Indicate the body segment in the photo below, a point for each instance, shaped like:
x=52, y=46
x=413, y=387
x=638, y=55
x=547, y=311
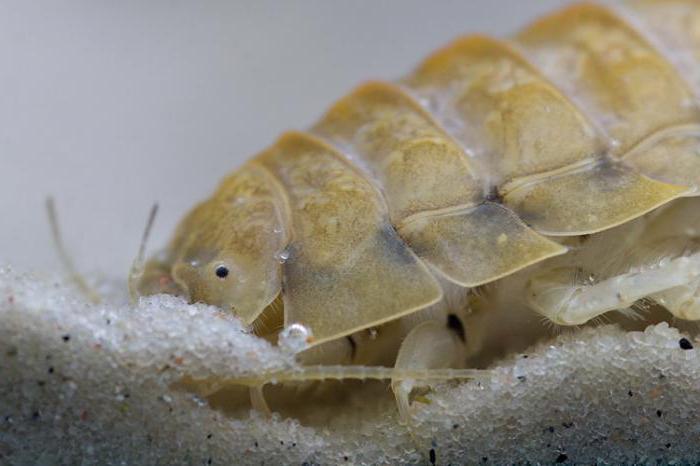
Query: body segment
x=344, y=253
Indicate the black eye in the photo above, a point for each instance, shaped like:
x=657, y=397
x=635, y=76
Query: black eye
x=221, y=271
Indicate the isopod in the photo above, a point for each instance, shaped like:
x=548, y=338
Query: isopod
x=555, y=171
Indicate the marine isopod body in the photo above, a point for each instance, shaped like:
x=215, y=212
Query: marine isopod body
x=560, y=166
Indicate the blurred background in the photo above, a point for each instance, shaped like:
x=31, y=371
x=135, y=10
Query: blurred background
x=110, y=106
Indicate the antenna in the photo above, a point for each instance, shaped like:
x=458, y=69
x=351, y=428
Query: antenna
x=66, y=261
x=138, y=266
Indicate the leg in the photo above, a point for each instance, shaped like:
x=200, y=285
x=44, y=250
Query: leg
x=405, y=372
x=430, y=346
x=256, y=382
x=318, y=373
x=257, y=400
x=565, y=299
x=682, y=301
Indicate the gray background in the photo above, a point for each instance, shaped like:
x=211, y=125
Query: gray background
x=112, y=105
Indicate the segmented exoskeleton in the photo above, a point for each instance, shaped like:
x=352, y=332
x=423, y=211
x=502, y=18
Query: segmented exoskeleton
x=558, y=167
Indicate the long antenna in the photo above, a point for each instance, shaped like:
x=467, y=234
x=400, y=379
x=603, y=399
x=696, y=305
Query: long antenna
x=66, y=261
x=138, y=266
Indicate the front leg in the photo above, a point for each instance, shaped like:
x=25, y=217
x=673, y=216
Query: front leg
x=428, y=347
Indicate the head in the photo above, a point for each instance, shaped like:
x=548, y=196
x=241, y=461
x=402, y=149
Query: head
x=223, y=254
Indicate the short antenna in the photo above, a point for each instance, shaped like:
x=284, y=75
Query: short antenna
x=66, y=261
x=139, y=264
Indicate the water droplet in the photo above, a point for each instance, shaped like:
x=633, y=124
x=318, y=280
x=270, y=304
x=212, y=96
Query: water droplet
x=294, y=338
x=283, y=256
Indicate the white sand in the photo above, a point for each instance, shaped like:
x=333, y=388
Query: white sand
x=84, y=384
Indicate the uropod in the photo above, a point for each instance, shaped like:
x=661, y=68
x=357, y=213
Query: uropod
x=554, y=172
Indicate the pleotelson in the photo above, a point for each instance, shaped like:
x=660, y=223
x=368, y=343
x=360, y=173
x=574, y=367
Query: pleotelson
x=467, y=168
